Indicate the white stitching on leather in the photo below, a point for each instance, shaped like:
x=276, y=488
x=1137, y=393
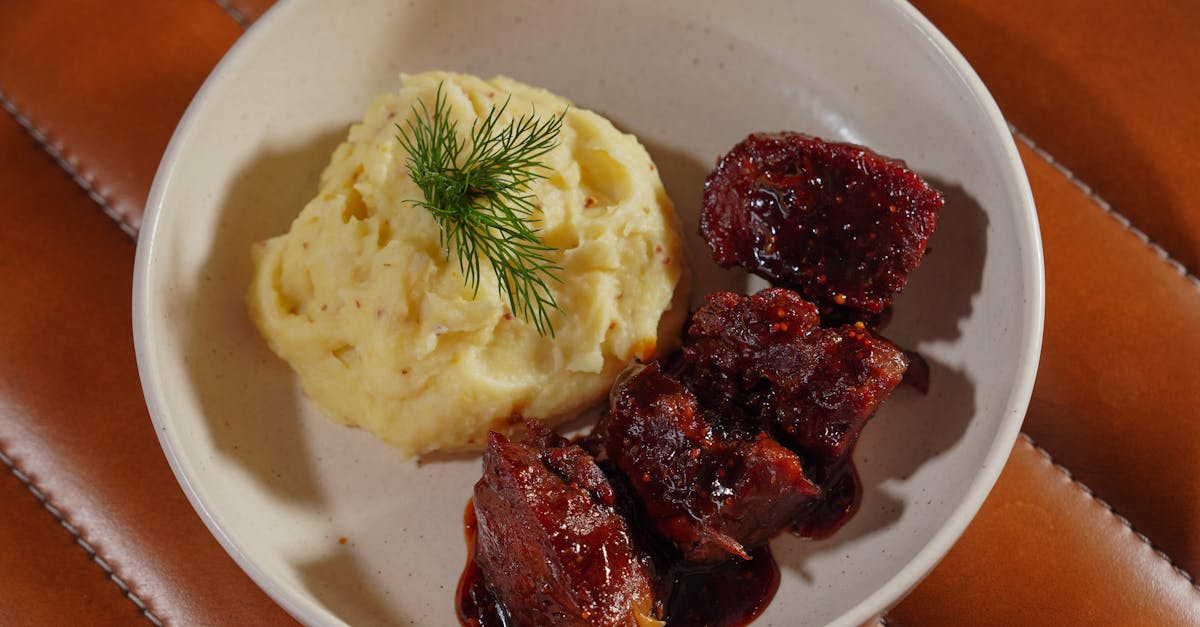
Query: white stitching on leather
x=1104, y=204
x=129, y=224
x=234, y=13
x=1109, y=508
x=1174, y=264
x=84, y=544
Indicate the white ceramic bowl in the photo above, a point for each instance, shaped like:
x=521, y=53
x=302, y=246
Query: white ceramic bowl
x=280, y=487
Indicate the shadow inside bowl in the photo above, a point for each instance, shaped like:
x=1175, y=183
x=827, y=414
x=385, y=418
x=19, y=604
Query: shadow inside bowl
x=930, y=311
x=941, y=292
x=248, y=395
x=344, y=585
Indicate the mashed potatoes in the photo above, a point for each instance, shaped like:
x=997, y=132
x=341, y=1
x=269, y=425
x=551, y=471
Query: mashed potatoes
x=363, y=302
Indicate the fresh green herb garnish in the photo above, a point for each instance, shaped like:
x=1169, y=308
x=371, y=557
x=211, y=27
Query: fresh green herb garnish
x=481, y=201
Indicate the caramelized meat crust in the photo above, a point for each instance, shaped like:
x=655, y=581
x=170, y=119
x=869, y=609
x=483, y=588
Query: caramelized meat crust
x=763, y=362
x=836, y=222
x=709, y=495
x=549, y=545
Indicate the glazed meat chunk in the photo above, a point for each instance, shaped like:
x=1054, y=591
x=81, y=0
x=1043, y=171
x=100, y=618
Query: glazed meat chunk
x=709, y=495
x=763, y=360
x=550, y=546
x=836, y=222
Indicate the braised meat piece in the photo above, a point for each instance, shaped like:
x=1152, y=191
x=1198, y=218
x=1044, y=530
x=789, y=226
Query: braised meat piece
x=764, y=360
x=549, y=544
x=709, y=495
x=836, y=222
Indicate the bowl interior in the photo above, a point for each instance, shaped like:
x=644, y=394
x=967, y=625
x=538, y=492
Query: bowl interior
x=331, y=522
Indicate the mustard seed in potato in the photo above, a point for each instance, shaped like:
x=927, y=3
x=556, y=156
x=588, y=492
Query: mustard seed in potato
x=364, y=303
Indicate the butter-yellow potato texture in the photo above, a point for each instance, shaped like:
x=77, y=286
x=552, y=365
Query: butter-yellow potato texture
x=374, y=316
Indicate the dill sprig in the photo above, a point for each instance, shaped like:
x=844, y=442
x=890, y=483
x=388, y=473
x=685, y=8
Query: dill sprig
x=481, y=201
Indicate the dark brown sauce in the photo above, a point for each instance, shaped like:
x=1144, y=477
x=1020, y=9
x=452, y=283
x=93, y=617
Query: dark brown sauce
x=729, y=594
x=475, y=604
x=842, y=492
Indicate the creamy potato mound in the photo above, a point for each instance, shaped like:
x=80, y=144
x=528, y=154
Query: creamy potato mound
x=364, y=303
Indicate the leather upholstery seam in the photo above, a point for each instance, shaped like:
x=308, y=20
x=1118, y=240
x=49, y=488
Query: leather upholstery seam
x=79, y=539
x=1172, y=263
x=233, y=13
x=1109, y=508
x=65, y=162
x=1125, y=222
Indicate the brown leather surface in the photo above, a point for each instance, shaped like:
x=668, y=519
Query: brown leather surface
x=1118, y=391
x=1078, y=564
x=1108, y=88
x=46, y=556
x=108, y=81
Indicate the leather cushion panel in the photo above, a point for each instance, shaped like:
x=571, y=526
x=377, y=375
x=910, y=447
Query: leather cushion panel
x=1110, y=87
x=112, y=95
x=1042, y=551
x=74, y=419
x=1118, y=387
x=45, y=577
